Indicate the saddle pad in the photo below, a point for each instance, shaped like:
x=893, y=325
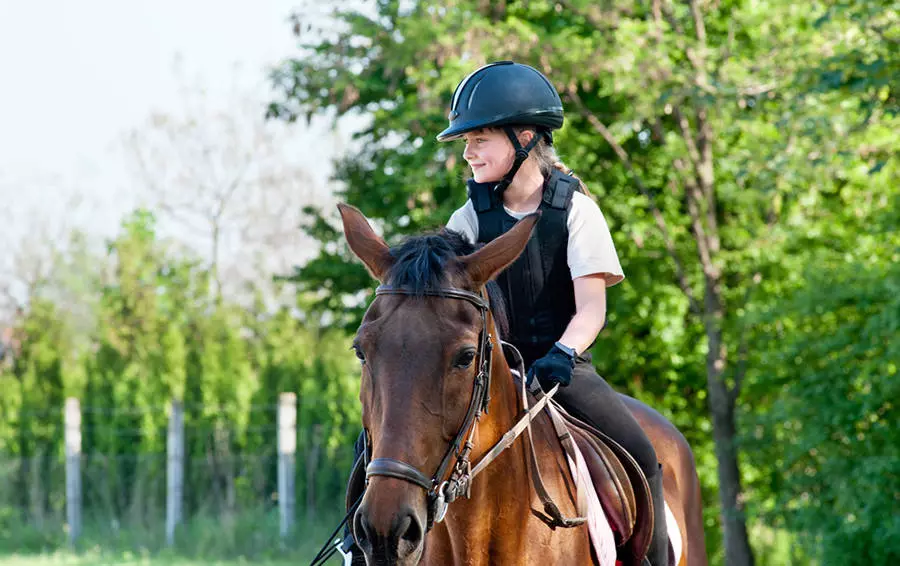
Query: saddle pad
x=643, y=511
x=601, y=533
x=674, y=537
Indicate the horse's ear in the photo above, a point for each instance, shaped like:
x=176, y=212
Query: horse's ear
x=365, y=243
x=484, y=264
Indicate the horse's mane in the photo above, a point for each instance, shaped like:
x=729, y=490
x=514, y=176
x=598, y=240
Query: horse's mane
x=421, y=263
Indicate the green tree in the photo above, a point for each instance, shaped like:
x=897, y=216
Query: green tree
x=823, y=432
x=33, y=390
x=129, y=331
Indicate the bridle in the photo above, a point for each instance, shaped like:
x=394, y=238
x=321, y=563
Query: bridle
x=440, y=494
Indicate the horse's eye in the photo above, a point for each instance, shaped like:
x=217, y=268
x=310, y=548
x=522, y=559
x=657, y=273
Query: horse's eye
x=465, y=358
x=359, y=353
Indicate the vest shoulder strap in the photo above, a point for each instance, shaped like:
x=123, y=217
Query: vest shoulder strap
x=560, y=188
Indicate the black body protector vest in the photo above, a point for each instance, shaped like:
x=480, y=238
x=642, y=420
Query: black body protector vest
x=537, y=287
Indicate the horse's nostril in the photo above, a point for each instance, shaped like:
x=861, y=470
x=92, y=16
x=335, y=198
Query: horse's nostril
x=409, y=530
x=361, y=529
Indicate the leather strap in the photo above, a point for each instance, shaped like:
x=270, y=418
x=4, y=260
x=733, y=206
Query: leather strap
x=554, y=517
x=444, y=292
x=512, y=434
x=396, y=469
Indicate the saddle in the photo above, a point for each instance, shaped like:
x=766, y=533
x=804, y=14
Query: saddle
x=620, y=485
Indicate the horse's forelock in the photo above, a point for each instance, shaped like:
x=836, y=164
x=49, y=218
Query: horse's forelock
x=422, y=263
x=425, y=262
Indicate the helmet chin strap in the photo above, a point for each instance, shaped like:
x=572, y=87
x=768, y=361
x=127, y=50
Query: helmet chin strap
x=521, y=156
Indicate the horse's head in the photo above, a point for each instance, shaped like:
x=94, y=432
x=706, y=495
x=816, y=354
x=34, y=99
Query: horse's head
x=421, y=344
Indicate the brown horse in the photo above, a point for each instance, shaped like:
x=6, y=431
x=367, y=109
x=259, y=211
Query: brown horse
x=424, y=345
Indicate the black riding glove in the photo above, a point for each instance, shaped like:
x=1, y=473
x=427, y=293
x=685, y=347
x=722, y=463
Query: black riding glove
x=556, y=367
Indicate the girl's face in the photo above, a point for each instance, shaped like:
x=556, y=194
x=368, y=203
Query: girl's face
x=489, y=153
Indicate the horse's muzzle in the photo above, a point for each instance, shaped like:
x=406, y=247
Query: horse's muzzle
x=389, y=539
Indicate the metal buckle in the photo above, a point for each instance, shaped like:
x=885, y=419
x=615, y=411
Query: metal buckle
x=348, y=557
x=440, y=503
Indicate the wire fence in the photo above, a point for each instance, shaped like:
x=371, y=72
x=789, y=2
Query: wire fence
x=230, y=496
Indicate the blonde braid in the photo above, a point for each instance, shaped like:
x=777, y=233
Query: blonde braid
x=547, y=159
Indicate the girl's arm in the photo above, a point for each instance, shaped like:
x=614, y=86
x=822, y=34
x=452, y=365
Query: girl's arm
x=590, y=312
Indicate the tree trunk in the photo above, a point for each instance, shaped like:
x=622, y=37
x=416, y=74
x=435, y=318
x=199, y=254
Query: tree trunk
x=700, y=197
x=214, y=264
x=721, y=408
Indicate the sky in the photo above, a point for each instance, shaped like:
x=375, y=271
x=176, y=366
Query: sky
x=76, y=77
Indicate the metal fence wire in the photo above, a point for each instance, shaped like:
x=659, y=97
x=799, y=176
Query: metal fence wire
x=230, y=480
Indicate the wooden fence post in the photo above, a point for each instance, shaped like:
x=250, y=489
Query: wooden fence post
x=72, y=419
x=174, y=470
x=287, y=449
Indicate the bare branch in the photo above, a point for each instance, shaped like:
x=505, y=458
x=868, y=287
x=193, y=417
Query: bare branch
x=231, y=179
x=757, y=90
x=685, y=127
x=694, y=198
x=706, y=174
x=699, y=26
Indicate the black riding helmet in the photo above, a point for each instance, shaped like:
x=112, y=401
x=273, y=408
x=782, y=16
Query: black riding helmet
x=502, y=95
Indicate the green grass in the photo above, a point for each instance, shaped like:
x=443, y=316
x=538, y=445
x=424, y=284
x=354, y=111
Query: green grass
x=127, y=559
x=250, y=538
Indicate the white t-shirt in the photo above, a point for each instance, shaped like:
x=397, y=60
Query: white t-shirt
x=590, y=249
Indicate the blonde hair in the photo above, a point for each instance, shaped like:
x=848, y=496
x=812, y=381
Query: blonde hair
x=547, y=159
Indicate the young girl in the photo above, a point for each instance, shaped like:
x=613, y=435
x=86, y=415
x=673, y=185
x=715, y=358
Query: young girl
x=556, y=290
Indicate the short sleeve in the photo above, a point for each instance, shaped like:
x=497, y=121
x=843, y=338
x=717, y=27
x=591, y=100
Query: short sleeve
x=590, y=248
x=465, y=221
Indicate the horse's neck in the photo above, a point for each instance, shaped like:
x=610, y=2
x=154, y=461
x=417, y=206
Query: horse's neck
x=504, y=407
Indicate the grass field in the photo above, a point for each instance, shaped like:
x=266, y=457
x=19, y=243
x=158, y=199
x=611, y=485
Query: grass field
x=126, y=559
x=253, y=540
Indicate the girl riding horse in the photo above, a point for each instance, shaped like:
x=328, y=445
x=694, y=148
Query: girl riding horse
x=555, y=291
x=440, y=407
